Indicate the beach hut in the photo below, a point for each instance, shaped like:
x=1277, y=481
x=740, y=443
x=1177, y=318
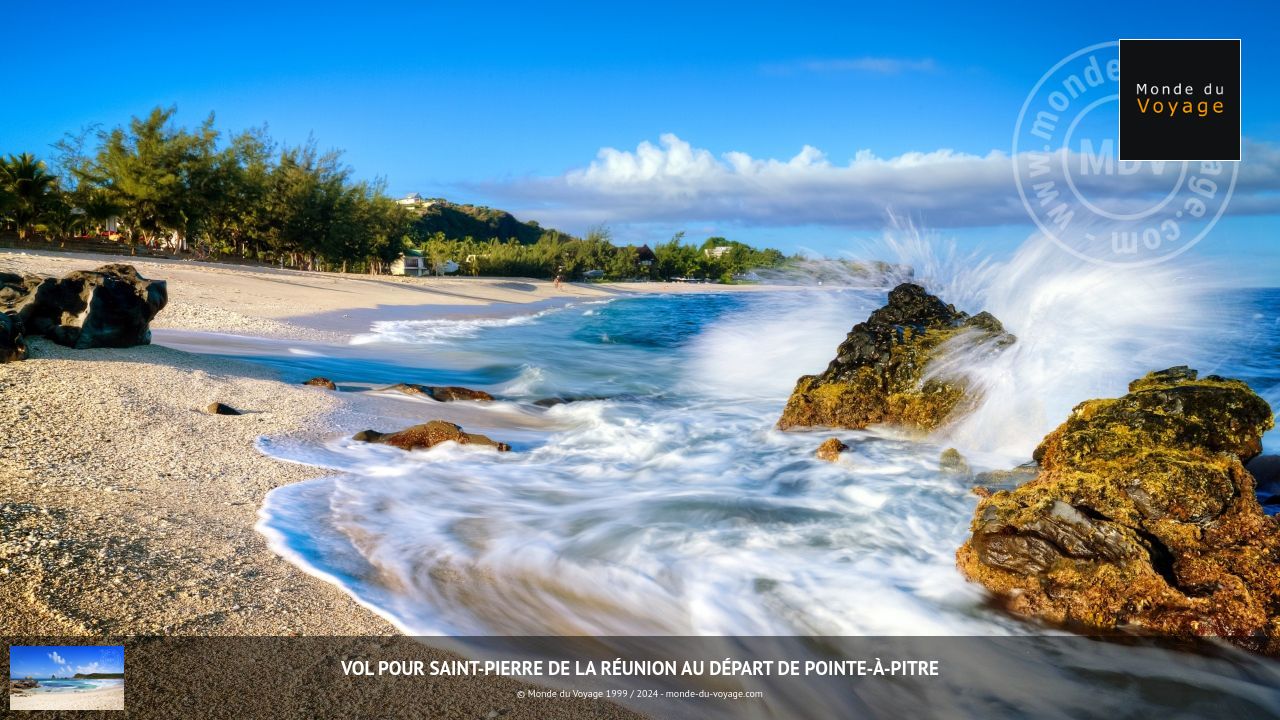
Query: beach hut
x=411, y=263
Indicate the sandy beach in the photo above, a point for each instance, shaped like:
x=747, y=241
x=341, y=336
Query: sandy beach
x=262, y=301
x=126, y=510
x=108, y=698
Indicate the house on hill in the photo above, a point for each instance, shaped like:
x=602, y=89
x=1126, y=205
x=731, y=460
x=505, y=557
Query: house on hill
x=414, y=200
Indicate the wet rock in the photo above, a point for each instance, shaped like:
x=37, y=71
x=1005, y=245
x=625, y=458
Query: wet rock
x=429, y=434
x=1143, y=517
x=323, y=382
x=830, y=449
x=441, y=393
x=878, y=374
x=554, y=401
x=952, y=462
x=109, y=307
x=221, y=409
x=13, y=346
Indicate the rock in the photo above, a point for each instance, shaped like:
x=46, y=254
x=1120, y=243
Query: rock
x=13, y=346
x=441, y=393
x=952, y=462
x=323, y=382
x=878, y=374
x=220, y=409
x=1142, y=517
x=23, y=684
x=830, y=449
x=109, y=307
x=428, y=434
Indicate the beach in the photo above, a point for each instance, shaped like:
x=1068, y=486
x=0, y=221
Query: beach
x=127, y=510
x=107, y=698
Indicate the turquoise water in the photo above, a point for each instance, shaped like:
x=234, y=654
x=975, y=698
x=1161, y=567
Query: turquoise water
x=72, y=685
x=663, y=501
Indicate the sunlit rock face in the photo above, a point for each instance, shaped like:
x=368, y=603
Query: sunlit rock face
x=879, y=372
x=1142, y=516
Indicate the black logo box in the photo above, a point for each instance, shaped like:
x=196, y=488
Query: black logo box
x=1185, y=67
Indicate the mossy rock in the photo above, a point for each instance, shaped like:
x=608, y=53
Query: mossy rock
x=1143, y=517
x=878, y=374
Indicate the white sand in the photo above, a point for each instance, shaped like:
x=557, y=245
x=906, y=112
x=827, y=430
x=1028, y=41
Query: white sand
x=109, y=698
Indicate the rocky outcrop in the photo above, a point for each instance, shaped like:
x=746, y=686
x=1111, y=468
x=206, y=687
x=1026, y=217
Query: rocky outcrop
x=109, y=307
x=441, y=393
x=322, y=382
x=17, y=685
x=953, y=463
x=13, y=346
x=429, y=434
x=1142, y=517
x=830, y=449
x=878, y=374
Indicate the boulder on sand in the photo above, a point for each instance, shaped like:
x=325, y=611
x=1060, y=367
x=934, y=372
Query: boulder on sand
x=429, y=434
x=109, y=307
x=441, y=393
x=13, y=346
x=323, y=382
x=218, y=408
x=1142, y=517
x=878, y=374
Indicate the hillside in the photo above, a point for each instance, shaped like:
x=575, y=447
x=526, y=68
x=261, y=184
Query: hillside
x=477, y=221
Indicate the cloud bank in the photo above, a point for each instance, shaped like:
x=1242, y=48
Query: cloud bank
x=673, y=181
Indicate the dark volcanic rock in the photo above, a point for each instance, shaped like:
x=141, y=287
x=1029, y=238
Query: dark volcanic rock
x=427, y=435
x=109, y=307
x=221, y=409
x=878, y=374
x=441, y=393
x=13, y=346
x=1142, y=516
x=323, y=382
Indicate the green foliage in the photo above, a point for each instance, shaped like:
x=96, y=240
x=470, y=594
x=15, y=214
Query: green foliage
x=29, y=191
x=244, y=196
x=458, y=221
x=555, y=254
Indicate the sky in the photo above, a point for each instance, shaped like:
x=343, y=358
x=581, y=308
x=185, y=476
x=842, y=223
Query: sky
x=709, y=117
x=43, y=661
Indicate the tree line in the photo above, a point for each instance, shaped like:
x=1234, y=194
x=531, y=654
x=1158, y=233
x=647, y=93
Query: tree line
x=243, y=195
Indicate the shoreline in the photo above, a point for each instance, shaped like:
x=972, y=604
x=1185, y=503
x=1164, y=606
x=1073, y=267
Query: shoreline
x=128, y=511
x=263, y=301
x=108, y=698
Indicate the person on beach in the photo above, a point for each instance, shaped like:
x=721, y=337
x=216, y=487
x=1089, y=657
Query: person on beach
x=559, y=277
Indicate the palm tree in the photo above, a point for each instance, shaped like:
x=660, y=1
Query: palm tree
x=29, y=185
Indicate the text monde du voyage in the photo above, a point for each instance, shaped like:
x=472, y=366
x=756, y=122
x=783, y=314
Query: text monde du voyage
x=1180, y=99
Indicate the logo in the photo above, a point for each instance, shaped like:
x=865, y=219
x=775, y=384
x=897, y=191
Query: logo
x=1079, y=193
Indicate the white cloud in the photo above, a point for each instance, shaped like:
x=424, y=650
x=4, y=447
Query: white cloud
x=56, y=658
x=93, y=667
x=674, y=181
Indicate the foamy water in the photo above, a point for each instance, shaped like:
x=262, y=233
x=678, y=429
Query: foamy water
x=664, y=502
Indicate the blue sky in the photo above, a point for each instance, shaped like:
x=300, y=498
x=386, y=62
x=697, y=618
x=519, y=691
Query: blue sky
x=502, y=103
x=42, y=661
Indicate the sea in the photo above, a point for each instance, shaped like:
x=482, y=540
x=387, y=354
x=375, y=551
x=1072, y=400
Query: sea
x=72, y=685
x=649, y=494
